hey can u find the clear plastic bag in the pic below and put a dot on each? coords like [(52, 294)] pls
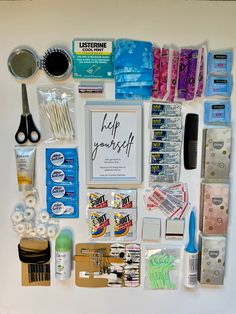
[(162, 268), (57, 113)]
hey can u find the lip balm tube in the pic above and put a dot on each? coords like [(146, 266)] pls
[(25, 164)]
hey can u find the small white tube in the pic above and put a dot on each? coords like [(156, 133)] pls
[(25, 163)]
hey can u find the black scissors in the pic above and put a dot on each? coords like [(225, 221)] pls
[(27, 129)]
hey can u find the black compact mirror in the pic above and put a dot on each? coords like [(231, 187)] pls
[(23, 63)]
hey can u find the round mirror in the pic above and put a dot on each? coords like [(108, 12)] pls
[(22, 63), (57, 63)]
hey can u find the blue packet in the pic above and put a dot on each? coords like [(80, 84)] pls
[(217, 112), (63, 209), (134, 84), (131, 70), (158, 146), (133, 53), (220, 62), (61, 158), (62, 192), (164, 173), (219, 86), (166, 123), (133, 96), (165, 158), (134, 77), (167, 135), (62, 176)]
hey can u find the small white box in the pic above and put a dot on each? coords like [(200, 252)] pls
[(174, 228), (151, 229)]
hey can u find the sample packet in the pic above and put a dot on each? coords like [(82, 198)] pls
[(100, 224), (125, 222), (166, 123), (167, 135), (220, 62), (217, 112), (165, 157), (61, 158), (164, 172), (158, 146), (219, 86), (163, 109)]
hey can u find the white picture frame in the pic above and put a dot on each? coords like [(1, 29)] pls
[(114, 142)]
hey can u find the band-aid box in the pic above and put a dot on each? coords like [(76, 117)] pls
[(211, 260), (216, 149), (214, 204)]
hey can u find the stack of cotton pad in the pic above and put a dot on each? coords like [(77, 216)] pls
[(133, 62)]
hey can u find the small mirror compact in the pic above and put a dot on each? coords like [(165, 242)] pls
[(23, 63)]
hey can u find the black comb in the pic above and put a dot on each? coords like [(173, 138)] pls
[(190, 141)]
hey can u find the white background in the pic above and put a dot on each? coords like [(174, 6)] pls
[(41, 24)]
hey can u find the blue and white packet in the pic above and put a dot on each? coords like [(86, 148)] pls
[(133, 53), (164, 157), (61, 157), (62, 192), (167, 135), (133, 68), (220, 62), (217, 112), (219, 86), (158, 146), (62, 180), (63, 209), (61, 177)]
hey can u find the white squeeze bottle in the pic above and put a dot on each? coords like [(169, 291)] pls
[(63, 261), (191, 256)]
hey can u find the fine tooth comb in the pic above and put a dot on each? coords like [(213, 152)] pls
[(190, 141)]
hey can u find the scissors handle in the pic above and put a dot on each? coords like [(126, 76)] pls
[(33, 133), (21, 134)]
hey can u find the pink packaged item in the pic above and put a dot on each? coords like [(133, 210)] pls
[(214, 208), (173, 75), (164, 73), (156, 71), (201, 76)]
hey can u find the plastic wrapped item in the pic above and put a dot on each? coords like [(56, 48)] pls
[(98, 198), (57, 110), (163, 73), (100, 224), (125, 224), (201, 75), (220, 62), (217, 112), (219, 86), (123, 199), (133, 62), (167, 135), (156, 71), (174, 63), (33, 223), (162, 268), (162, 109)]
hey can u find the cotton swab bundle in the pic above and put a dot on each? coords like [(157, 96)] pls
[(58, 115)]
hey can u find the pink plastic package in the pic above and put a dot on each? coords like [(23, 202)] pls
[(164, 73), (174, 63), (156, 71), (199, 92)]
